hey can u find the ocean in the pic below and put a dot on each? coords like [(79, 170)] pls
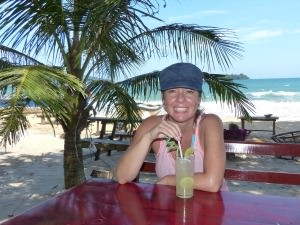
[(280, 97), (277, 96)]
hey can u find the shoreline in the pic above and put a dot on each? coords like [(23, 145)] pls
[(32, 170)]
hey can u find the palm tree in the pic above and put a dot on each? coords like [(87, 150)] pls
[(101, 44)]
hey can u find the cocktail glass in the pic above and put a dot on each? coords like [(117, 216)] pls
[(185, 176)]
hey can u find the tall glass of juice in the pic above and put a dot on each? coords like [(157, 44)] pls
[(185, 176)]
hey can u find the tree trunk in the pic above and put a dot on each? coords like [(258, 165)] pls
[(73, 161)]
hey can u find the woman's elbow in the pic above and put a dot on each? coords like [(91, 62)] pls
[(215, 185), (212, 185), (214, 188), (122, 179)]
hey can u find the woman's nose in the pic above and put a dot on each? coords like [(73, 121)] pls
[(180, 96)]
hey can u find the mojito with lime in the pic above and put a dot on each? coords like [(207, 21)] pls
[(185, 176)]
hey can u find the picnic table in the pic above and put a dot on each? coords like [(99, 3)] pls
[(260, 118), (117, 139), (104, 121), (104, 201)]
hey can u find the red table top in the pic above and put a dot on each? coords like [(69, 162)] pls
[(106, 202)]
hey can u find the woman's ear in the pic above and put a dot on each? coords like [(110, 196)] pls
[(163, 104), (199, 101)]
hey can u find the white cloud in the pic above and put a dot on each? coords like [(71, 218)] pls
[(213, 12), (262, 34), (194, 16)]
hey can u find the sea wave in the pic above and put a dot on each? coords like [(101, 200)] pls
[(285, 110), (274, 95)]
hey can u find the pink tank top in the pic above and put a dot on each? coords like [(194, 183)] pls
[(165, 163)]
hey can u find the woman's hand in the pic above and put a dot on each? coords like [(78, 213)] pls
[(165, 129)]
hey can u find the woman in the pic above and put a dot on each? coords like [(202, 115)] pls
[(181, 86)]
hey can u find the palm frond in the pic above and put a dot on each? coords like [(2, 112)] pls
[(228, 92), (4, 64), (12, 57), (50, 89), (144, 85), (13, 123), (210, 44), (113, 100)]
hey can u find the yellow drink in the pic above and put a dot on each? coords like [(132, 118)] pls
[(185, 177)]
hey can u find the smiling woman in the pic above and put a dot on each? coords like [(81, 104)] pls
[(183, 123)]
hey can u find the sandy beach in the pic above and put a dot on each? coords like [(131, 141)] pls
[(32, 170)]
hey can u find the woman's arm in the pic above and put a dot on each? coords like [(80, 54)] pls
[(130, 163), (150, 130), (212, 142)]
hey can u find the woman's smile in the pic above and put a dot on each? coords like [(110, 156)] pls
[(180, 109)]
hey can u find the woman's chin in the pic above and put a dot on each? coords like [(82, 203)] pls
[(182, 117)]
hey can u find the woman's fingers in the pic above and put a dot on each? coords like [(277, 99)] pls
[(169, 129)]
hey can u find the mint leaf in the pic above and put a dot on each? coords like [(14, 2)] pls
[(171, 144)]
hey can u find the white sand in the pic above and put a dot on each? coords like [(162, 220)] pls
[(32, 170)]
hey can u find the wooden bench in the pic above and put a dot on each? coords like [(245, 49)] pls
[(254, 148), (105, 145), (117, 139)]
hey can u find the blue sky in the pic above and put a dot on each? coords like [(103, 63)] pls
[(269, 31)]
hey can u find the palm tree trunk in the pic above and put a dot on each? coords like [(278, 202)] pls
[(73, 161)]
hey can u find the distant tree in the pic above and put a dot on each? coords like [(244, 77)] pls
[(240, 76)]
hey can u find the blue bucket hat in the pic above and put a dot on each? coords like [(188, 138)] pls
[(184, 75)]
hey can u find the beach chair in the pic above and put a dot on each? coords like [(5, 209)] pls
[(287, 137)]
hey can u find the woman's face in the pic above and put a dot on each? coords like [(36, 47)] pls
[(181, 103)]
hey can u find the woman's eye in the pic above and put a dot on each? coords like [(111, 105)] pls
[(185, 93), (189, 92), (171, 90)]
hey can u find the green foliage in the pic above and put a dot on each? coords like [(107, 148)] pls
[(225, 90), (50, 89)]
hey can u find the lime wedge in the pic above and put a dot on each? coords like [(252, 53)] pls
[(188, 152), (187, 182)]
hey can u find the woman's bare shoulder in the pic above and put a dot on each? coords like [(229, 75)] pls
[(152, 120), (211, 116), (210, 119)]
